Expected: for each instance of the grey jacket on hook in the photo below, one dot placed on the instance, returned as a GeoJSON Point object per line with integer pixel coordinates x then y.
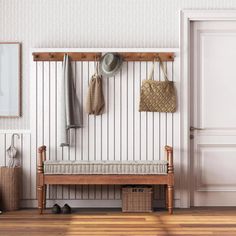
{"type": "Point", "coordinates": [70, 115]}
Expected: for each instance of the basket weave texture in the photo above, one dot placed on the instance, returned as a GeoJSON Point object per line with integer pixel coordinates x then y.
{"type": "Point", "coordinates": [137, 199]}
{"type": "Point", "coordinates": [10, 188]}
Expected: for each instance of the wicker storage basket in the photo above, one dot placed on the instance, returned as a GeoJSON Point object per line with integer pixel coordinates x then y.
{"type": "Point", "coordinates": [10, 187]}
{"type": "Point", "coordinates": [137, 199]}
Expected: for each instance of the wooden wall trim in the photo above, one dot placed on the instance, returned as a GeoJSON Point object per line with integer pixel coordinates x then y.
{"type": "Point", "coordinates": [92, 56]}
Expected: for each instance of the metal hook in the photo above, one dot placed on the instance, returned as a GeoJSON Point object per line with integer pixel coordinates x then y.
{"type": "Point", "coordinates": [12, 138]}
{"type": "Point", "coordinates": [158, 57]}
{"type": "Point", "coordinates": [51, 55]}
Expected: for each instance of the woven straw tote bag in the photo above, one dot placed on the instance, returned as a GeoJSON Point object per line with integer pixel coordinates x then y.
{"type": "Point", "coordinates": [158, 96]}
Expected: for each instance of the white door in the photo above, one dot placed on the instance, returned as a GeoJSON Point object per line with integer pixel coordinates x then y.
{"type": "Point", "coordinates": [213, 99]}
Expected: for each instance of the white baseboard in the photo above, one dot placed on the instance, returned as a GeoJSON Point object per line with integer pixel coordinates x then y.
{"type": "Point", "coordinates": [89, 203]}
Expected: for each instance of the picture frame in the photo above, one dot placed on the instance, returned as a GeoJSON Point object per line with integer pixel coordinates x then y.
{"type": "Point", "coordinates": [10, 79]}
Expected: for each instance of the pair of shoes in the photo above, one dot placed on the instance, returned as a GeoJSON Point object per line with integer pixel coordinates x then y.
{"type": "Point", "coordinates": [56, 209]}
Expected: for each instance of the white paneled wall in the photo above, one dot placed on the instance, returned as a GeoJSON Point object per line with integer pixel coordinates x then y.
{"type": "Point", "coordinates": [91, 23]}
{"type": "Point", "coordinates": [121, 133]}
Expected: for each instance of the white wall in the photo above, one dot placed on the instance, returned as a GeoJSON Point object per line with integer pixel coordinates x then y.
{"type": "Point", "coordinates": [91, 23]}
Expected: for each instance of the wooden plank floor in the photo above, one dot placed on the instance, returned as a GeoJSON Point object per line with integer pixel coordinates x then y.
{"type": "Point", "coordinates": [195, 221]}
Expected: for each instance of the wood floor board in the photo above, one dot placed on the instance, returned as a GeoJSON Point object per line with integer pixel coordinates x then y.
{"type": "Point", "coordinates": [194, 221]}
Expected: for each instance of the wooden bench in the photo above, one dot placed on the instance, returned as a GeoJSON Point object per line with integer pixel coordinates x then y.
{"type": "Point", "coordinates": [43, 179]}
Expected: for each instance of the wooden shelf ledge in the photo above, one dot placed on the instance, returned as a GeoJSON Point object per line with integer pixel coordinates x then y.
{"type": "Point", "coordinates": [88, 56]}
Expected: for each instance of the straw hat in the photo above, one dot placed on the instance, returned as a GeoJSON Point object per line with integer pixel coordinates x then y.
{"type": "Point", "coordinates": [110, 63]}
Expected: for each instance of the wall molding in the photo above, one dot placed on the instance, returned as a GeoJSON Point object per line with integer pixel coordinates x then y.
{"type": "Point", "coordinates": [11, 131]}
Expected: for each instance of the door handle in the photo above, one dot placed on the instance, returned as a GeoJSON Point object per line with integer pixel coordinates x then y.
{"type": "Point", "coordinates": [195, 128]}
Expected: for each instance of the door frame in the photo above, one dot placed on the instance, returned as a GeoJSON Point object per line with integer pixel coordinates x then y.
{"type": "Point", "coordinates": [187, 16]}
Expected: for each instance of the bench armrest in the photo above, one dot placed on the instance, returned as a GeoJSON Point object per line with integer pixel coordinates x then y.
{"type": "Point", "coordinates": [169, 154]}
{"type": "Point", "coordinates": [41, 158]}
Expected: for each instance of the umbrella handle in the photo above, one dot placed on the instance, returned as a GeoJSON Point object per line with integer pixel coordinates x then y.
{"type": "Point", "coordinates": [12, 138]}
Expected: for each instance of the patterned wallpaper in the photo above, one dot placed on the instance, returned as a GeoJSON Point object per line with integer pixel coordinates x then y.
{"type": "Point", "coordinates": [91, 23]}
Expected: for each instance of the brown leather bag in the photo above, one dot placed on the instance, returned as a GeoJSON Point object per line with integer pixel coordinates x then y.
{"type": "Point", "coordinates": [158, 96]}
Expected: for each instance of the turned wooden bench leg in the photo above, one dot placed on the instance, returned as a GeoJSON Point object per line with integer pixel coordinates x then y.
{"type": "Point", "coordinates": [40, 198]}
{"type": "Point", "coordinates": [170, 185]}
{"type": "Point", "coordinates": [44, 196]}
{"type": "Point", "coordinates": [41, 187]}
{"type": "Point", "coordinates": [170, 198]}
{"type": "Point", "coordinates": [166, 190]}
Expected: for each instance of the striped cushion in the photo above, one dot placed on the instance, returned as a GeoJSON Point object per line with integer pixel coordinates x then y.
{"type": "Point", "coordinates": [105, 167]}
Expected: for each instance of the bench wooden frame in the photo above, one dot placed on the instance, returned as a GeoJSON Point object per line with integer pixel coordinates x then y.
{"type": "Point", "coordinates": [66, 179]}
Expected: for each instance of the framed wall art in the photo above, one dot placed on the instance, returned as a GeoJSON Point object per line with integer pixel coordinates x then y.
{"type": "Point", "coordinates": [10, 79]}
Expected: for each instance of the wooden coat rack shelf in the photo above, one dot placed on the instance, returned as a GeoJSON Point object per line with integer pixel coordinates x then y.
{"type": "Point", "coordinates": [91, 56]}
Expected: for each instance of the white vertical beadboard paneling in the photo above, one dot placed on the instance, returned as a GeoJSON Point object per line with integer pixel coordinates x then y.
{"type": "Point", "coordinates": [46, 90]}
{"type": "Point", "coordinates": [86, 121]}
{"type": "Point", "coordinates": [79, 132]}
{"type": "Point", "coordinates": [156, 122]}
{"type": "Point", "coordinates": [121, 133]}
{"type": "Point", "coordinates": [91, 121]}
{"type": "Point", "coordinates": [98, 137]}
{"type": "Point", "coordinates": [59, 155]}
{"type": "Point", "coordinates": [130, 109]}
{"type": "Point", "coordinates": [143, 117]}
{"type": "Point", "coordinates": [149, 123]}
{"type": "Point", "coordinates": [124, 112]}
{"type": "Point", "coordinates": [85, 78]}
{"type": "Point", "coordinates": [46, 110]}
{"type": "Point", "coordinates": [117, 115]}
{"type": "Point", "coordinates": [7, 145]}
{"type": "Point", "coordinates": [105, 130]}
{"type": "Point", "coordinates": [53, 109]}
{"type": "Point", "coordinates": [169, 118]}
{"type": "Point", "coordinates": [19, 145]}
{"type": "Point", "coordinates": [137, 123]}
{"type": "Point", "coordinates": [111, 126]}
{"type": "Point", "coordinates": [98, 192]}
{"type": "Point", "coordinates": [58, 91]}
{"type": "Point", "coordinates": [2, 150]}
{"type": "Point", "coordinates": [34, 127]}
{"type": "Point", "coordinates": [163, 124]}
{"type": "Point", "coordinates": [176, 127]}
{"type": "Point", "coordinates": [111, 118]}
{"type": "Point", "coordinates": [40, 103]}
{"type": "Point", "coordinates": [92, 133]}
{"type": "Point", "coordinates": [79, 96]}
{"type": "Point", "coordinates": [52, 119]}
{"type": "Point", "coordinates": [104, 118]}
{"type": "Point", "coordinates": [26, 163]}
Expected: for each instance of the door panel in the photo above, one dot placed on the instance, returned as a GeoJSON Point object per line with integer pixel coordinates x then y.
{"type": "Point", "coordinates": [213, 95]}
{"type": "Point", "coordinates": [218, 75]}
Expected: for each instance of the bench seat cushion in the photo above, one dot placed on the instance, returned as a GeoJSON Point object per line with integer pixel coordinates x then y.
{"type": "Point", "coordinates": [106, 167]}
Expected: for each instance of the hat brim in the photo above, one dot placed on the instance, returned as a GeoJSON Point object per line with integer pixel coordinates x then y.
{"type": "Point", "coordinates": [111, 73]}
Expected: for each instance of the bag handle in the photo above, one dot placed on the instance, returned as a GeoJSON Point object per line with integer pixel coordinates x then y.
{"type": "Point", "coordinates": [96, 65]}
{"type": "Point", "coordinates": [163, 68]}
